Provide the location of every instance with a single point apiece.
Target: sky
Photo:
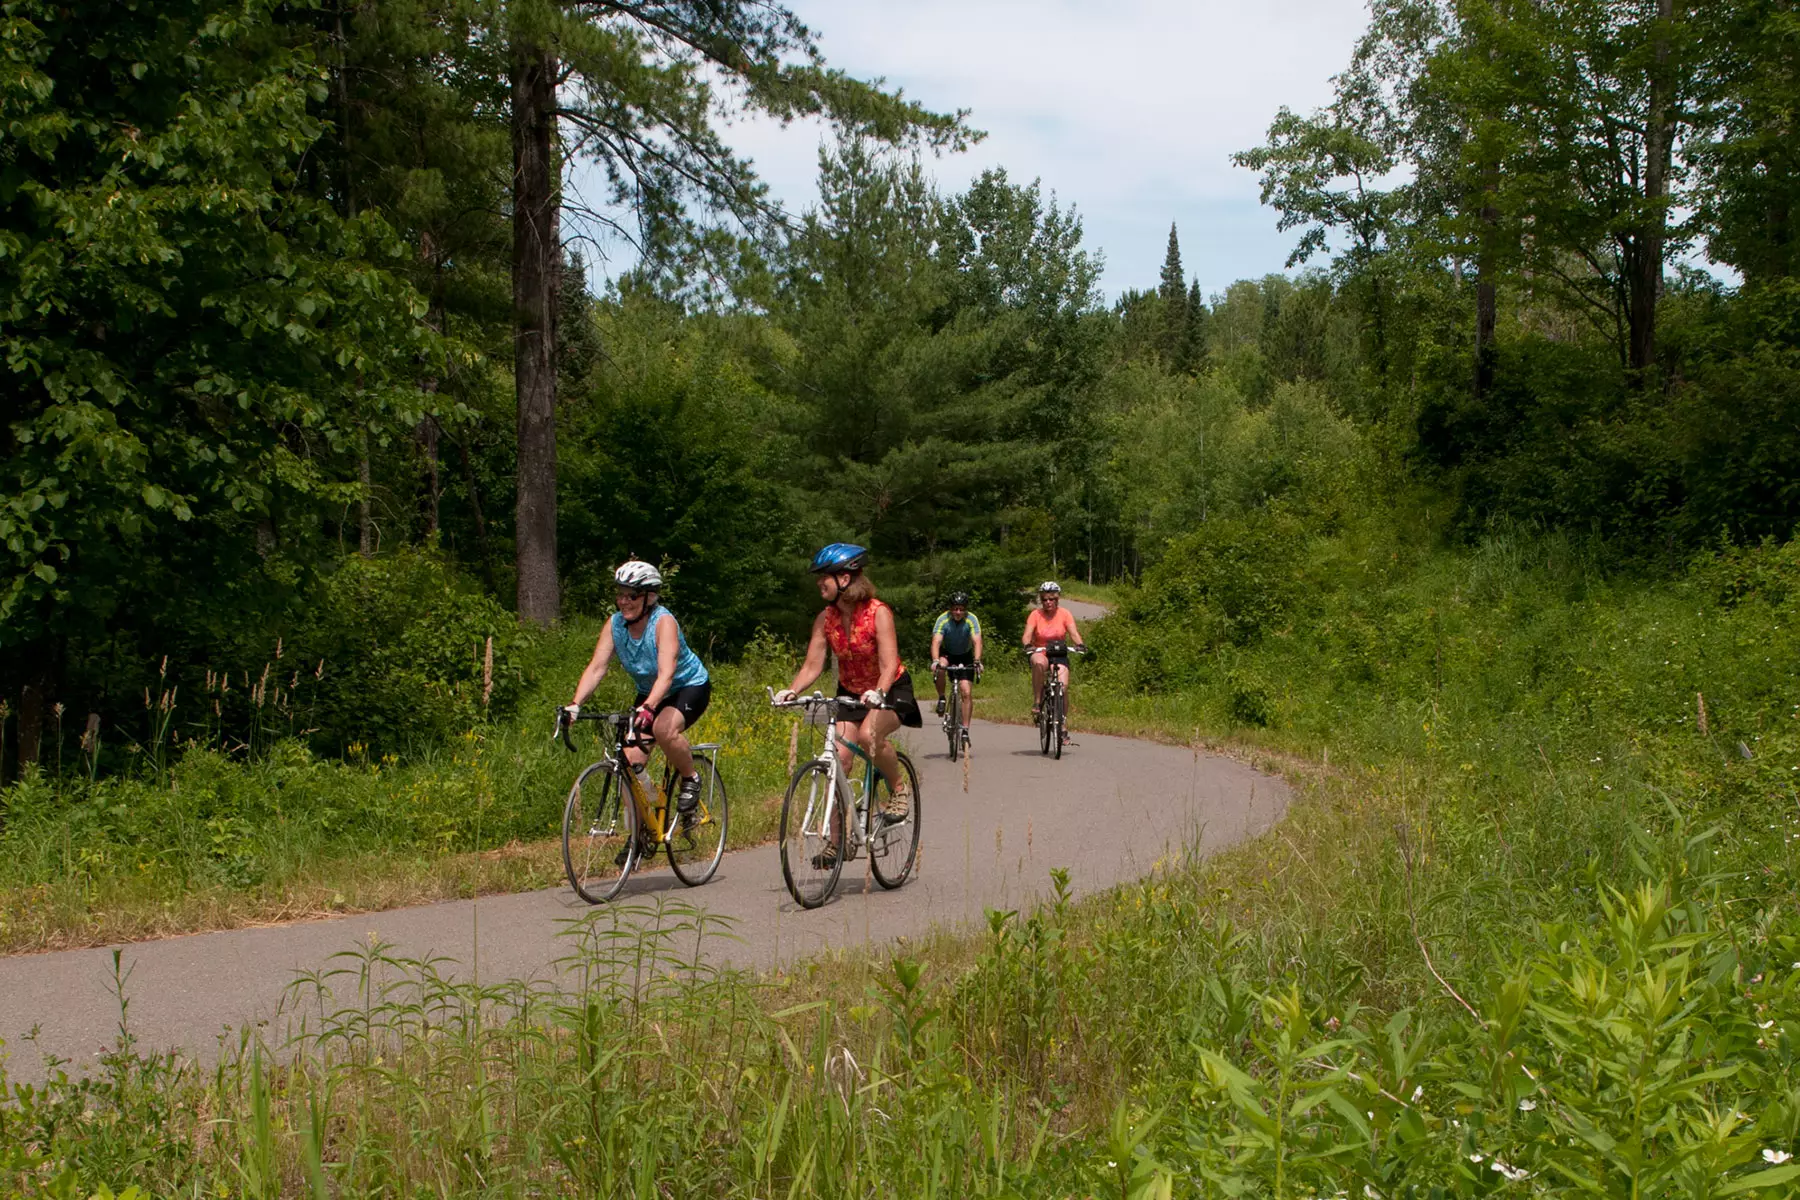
(1129, 111)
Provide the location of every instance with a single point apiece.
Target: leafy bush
(400, 647)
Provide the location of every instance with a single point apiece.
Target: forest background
(291, 331)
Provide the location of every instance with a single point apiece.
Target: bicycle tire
(901, 837)
(694, 854)
(1044, 722)
(954, 731)
(595, 826)
(810, 885)
(1058, 724)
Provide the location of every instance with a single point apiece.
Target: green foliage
(663, 458)
(188, 339)
(402, 647)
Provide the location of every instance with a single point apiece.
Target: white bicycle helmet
(639, 575)
(1050, 587)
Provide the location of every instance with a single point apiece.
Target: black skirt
(900, 696)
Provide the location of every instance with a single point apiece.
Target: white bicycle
(817, 836)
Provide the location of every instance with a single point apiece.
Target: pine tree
(1194, 349)
(1173, 292)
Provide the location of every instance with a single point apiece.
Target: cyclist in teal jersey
(956, 649)
(673, 686)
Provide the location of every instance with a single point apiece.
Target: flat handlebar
(821, 700)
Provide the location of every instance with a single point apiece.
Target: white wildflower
(1513, 1174)
(1776, 1156)
(1475, 1158)
(1527, 1104)
(1418, 1092)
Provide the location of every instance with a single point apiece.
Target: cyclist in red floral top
(858, 629)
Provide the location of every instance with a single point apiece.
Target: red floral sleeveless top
(858, 657)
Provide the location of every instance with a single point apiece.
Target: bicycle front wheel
(696, 847)
(599, 836)
(812, 835)
(1059, 723)
(954, 728)
(895, 847)
(1045, 721)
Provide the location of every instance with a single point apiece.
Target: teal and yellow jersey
(959, 636)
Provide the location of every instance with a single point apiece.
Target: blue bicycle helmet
(839, 556)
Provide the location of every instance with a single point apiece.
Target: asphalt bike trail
(1110, 811)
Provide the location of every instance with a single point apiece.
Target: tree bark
(1645, 283)
(535, 254)
(365, 538)
(428, 445)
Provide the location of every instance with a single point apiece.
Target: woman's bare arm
(596, 668)
(814, 666)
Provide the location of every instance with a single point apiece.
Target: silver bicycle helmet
(1049, 588)
(640, 576)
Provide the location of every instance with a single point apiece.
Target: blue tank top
(638, 656)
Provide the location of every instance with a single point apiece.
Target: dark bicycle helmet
(839, 556)
(959, 599)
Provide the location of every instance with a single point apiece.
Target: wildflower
(1513, 1174)
(1527, 1104)
(1776, 1156)
(1475, 1158)
(1418, 1092)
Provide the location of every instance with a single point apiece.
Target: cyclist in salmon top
(673, 686)
(1049, 631)
(858, 629)
(956, 645)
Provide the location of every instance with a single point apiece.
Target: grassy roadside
(217, 841)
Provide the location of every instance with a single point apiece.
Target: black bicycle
(605, 839)
(1053, 706)
(956, 730)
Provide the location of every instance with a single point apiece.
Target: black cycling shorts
(689, 701)
(900, 696)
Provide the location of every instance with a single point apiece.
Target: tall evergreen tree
(1173, 293)
(641, 86)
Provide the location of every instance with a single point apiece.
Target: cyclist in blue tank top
(673, 686)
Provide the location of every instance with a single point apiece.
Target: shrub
(403, 642)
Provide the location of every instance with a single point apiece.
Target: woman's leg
(873, 737)
(671, 734)
(1037, 680)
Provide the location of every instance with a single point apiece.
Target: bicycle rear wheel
(695, 851)
(596, 829)
(954, 728)
(812, 836)
(896, 847)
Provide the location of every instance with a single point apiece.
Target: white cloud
(1129, 111)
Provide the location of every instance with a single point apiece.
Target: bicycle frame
(652, 810)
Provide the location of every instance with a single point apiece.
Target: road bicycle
(1053, 706)
(817, 838)
(956, 730)
(604, 839)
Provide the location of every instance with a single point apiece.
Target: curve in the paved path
(1108, 811)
